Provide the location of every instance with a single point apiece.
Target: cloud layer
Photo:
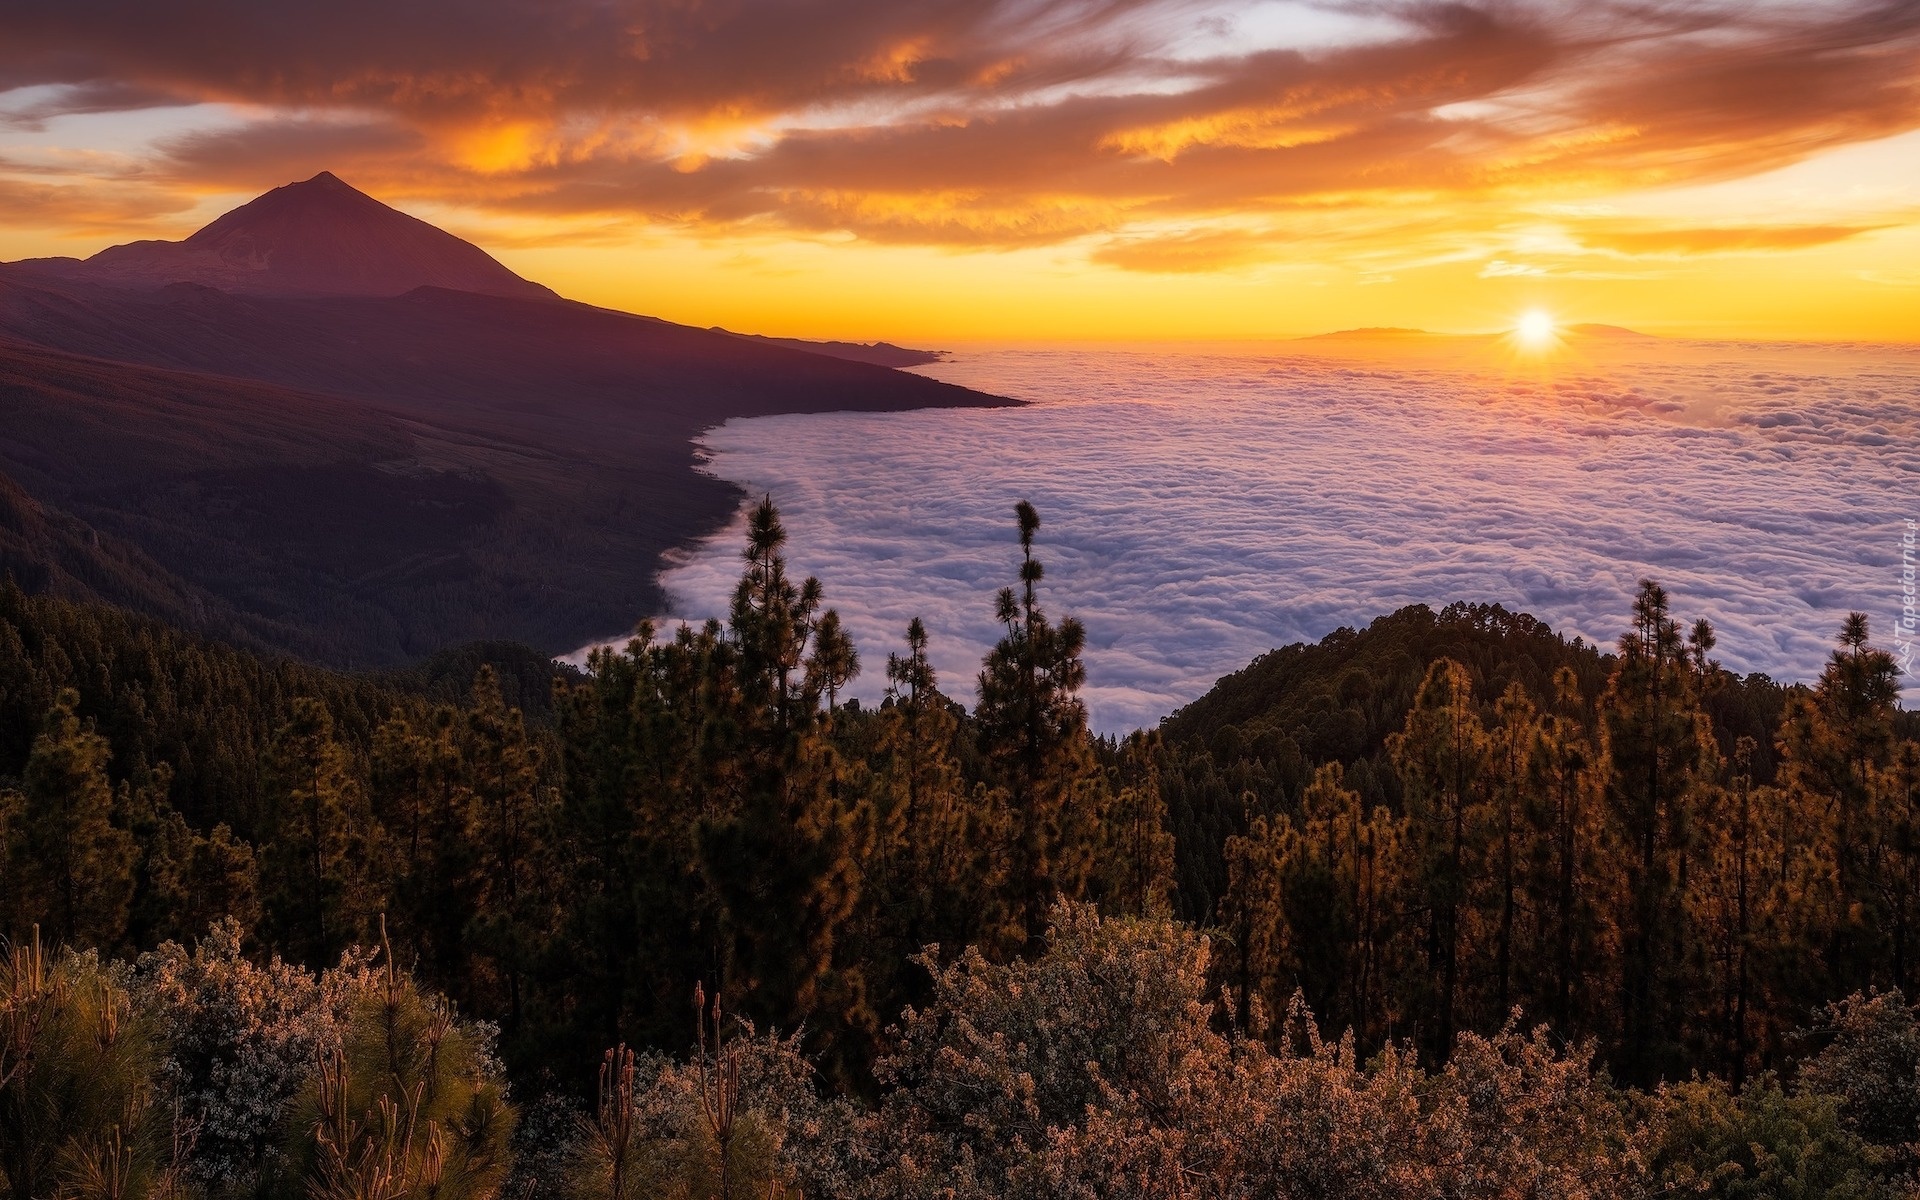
(1201, 509)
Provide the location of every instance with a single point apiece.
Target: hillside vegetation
(1444, 906)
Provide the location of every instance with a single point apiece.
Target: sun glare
(1535, 330)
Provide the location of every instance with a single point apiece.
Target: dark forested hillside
(158, 695)
(1341, 697)
(53, 553)
(1547, 929)
(321, 527)
(1253, 742)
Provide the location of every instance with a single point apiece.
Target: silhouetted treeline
(1437, 834)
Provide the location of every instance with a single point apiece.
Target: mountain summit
(320, 237)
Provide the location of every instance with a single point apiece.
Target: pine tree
(1899, 879)
(1312, 907)
(648, 757)
(1136, 851)
(1660, 753)
(1254, 919)
(1567, 883)
(75, 868)
(928, 869)
(834, 663)
(408, 785)
(1512, 744)
(1790, 911)
(1033, 733)
(1339, 881)
(1835, 745)
(1441, 759)
(772, 622)
(326, 890)
(921, 803)
(510, 812)
(780, 857)
(408, 1104)
(1723, 902)
(221, 880)
(78, 1108)
(186, 880)
(165, 851)
(411, 780)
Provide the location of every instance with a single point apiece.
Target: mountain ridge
(493, 466)
(317, 237)
(880, 354)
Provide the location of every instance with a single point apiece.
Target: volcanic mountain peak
(319, 237)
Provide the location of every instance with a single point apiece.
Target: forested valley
(1446, 906)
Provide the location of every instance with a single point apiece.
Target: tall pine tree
(72, 866)
(1441, 758)
(780, 858)
(326, 889)
(1835, 745)
(1661, 754)
(1033, 733)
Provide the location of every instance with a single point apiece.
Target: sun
(1535, 329)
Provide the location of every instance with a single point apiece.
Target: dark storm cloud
(93, 96)
(284, 149)
(446, 58)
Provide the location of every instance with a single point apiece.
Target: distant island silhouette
(1382, 333)
(1395, 333)
(1611, 331)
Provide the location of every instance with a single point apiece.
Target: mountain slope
(364, 479)
(48, 552)
(321, 526)
(549, 365)
(319, 237)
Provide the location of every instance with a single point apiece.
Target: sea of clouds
(1202, 507)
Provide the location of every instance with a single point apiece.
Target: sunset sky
(1014, 169)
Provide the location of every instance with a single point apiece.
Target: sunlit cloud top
(1342, 144)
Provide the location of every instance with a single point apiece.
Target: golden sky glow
(956, 170)
(1535, 329)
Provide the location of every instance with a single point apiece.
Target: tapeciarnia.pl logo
(1904, 624)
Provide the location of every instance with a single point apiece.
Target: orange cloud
(599, 106)
(965, 218)
(1721, 239)
(1421, 139)
(1185, 253)
(82, 209)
